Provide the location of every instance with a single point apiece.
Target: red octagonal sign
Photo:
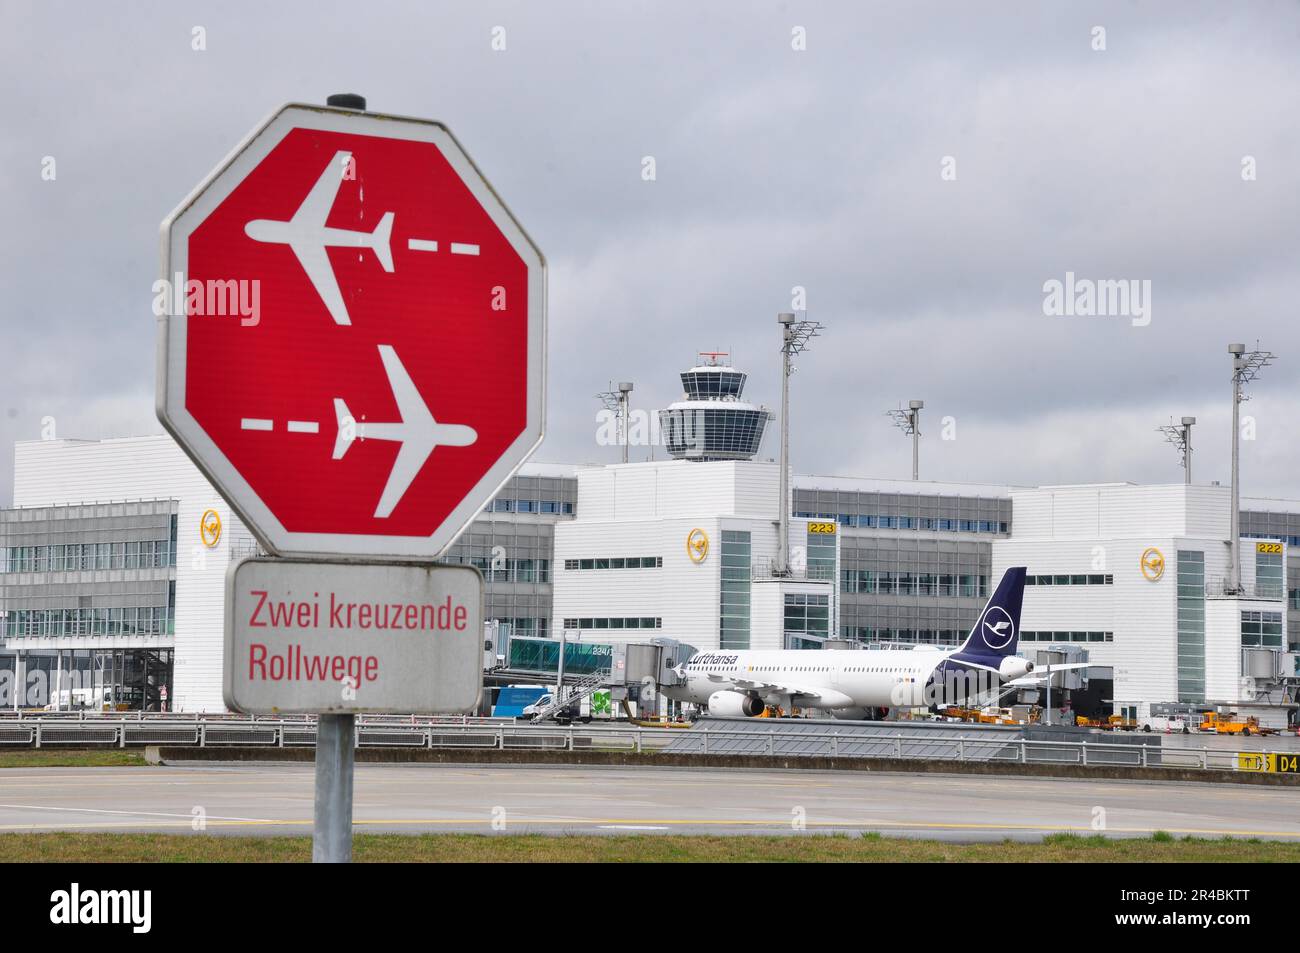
(353, 346)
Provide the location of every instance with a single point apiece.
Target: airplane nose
(261, 230)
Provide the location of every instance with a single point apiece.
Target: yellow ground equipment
(1232, 724)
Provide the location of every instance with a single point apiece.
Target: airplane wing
(307, 223)
(410, 405)
(812, 695)
(410, 458)
(315, 262)
(1039, 675)
(315, 208)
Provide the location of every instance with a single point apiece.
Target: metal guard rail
(503, 734)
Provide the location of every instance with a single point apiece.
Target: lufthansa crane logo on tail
(996, 628)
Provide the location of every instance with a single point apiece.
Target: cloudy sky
(1171, 155)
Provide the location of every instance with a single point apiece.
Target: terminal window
(1071, 579)
(892, 521)
(885, 582)
(1191, 625)
(1270, 575)
(734, 591)
(530, 506)
(1038, 636)
(88, 557)
(820, 556)
(1261, 629)
(85, 620)
(807, 614)
(616, 562)
(607, 622)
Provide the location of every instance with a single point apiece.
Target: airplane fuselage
(288, 233)
(842, 679)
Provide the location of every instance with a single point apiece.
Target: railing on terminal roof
(1220, 589)
(766, 569)
(239, 548)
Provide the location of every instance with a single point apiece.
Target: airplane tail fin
(997, 631)
(347, 428)
(381, 241)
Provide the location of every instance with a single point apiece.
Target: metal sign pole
(331, 841)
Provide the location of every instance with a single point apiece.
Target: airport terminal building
(113, 562)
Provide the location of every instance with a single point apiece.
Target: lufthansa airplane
(866, 683)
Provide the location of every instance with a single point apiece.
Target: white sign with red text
(317, 637)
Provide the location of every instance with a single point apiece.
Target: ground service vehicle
(1232, 724)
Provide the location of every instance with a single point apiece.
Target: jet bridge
(635, 671)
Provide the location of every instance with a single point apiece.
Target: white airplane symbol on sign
(308, 235)
(416, 431)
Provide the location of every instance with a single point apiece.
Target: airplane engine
(1013, 667)
(734, 704)
(860, 714)
(851, 714)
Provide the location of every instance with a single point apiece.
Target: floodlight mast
(1180, 435)
(624, 390)
(909, 421)
(795, 336)
(615, 401)
(1246, 366)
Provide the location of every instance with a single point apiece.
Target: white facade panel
(677, 489)
(1223, 650)
(683, 593)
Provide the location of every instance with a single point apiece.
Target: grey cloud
(775, 168)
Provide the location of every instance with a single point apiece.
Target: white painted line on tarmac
(94, 810)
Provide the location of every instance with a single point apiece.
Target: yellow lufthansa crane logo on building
(210, 528)
(1153, 563)
(697, 545)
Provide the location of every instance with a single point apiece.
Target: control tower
(712, 422)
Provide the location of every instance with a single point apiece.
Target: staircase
(577, 689)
